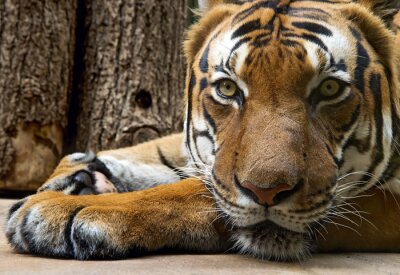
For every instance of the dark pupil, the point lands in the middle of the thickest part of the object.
(228, 86)
(328, 87)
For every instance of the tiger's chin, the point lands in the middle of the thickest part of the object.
(269, 241)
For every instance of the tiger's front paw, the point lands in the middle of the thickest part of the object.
(81, 227)
(81, 174)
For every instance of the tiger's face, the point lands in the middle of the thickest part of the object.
(286, 102)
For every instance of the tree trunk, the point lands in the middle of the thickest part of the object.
(79, 75)
(37, 41)
(132, 83)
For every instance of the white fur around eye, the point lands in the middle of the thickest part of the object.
(340, 98)
(224, 101)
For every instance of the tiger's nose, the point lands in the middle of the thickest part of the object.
(267, 196)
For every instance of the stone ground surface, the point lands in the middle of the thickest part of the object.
(349, 264)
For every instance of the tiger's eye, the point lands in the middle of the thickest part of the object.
(329, 87)
(227, 87)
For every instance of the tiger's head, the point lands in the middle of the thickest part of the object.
(293, 105)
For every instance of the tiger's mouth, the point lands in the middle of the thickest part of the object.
(255, 233)
(270, 241)
(245, 212)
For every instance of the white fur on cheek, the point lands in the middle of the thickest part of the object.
(205, 149)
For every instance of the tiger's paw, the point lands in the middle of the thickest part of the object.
(82, 174)
(81, 227)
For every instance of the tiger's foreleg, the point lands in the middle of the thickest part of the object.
(179, 215)
(133, 168)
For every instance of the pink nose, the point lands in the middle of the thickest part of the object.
(266, 196)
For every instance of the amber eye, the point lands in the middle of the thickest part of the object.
(329, 87)
(227, 88)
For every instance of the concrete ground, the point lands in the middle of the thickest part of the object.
(349, 264)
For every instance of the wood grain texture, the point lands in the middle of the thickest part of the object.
(132, 85)
(37, 41)
(80, 75)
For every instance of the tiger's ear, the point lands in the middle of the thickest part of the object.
(364, 14)
(385, 9)
(198, 33)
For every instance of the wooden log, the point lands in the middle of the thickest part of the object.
(133, 74)
(37, 41)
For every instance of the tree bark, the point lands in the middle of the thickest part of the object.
(132, 82)
(36, 55)
(80, 75)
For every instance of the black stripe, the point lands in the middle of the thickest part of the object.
(204, 60)
(375, 88)
(182, 175)
(246, 28)
(321, 1)
(15, 207)
(209, 119)
(262, 41)
(334, 158)
(192, 83)
(356, 34)
(291, 43)
(313, 27)
(68, 230)
(391, 168)
(312, 38)
(237, 45)
(28, 238)
(362, 62)
(393, 97)
(378, 156)
(218, 182)
(220, 67)
(260, 5)
(339, 66)
(262, 36)
(203, 84)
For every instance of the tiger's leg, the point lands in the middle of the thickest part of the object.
(177, 215)
(126, 169)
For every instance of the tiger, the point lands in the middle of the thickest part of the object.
(291, 129)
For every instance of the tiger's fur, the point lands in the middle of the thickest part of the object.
(277, 129)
